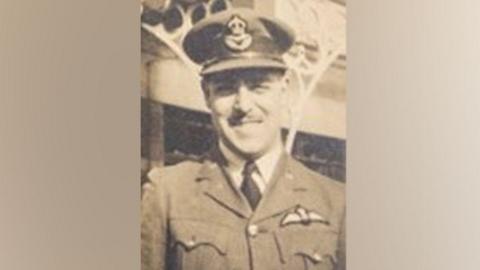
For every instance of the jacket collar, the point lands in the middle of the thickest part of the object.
(291, 186)
(218, 186)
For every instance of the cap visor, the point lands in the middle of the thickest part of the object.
(242, 63)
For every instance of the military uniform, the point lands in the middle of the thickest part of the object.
(194, 218)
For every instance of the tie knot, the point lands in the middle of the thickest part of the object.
(249, 168)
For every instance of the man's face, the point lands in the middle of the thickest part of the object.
(246, 108)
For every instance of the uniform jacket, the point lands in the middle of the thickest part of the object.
(193, 219)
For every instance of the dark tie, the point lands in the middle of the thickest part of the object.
(249, 188)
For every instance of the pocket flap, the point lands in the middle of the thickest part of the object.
(315, 245)
(194, 234)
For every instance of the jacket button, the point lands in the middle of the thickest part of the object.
(317, 257)
(252, 230)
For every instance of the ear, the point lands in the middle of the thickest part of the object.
(284, 84)
(287, 76)
(286, 80)
(206, 92)
(287, 98)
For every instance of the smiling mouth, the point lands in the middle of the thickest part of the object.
(234, 122)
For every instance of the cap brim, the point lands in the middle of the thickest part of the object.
(242, 63)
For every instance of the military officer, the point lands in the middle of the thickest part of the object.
(247, 205)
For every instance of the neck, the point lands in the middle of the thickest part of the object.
(235, 159)
(276, 147)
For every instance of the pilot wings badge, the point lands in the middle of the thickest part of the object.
(237, 39)
(302, 216)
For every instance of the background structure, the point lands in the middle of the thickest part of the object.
(175, 124)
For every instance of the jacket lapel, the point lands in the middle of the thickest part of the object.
(217, 185)
(291, 186)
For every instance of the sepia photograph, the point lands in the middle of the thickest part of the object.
(243, 134)
(241, 151)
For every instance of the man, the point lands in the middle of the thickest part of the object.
(247, 204)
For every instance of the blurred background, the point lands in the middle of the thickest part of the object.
(175, 124)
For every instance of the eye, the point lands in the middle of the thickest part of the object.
(223, 89)
(261, 87)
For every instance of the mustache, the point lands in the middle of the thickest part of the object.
(239, 118)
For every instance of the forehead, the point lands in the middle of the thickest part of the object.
(247, 75)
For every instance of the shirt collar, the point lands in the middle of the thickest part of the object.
(266, 164)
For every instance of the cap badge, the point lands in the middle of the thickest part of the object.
(237, 39)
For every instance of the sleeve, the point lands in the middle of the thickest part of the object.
(154, 230)
(342, 248)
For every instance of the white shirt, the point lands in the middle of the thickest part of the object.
(265, 165)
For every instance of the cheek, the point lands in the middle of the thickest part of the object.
(272, 105)
(221, 107)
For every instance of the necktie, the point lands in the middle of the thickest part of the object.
(249, 188)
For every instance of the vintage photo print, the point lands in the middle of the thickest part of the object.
(243, 134)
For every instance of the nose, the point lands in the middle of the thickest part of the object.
(243, 99)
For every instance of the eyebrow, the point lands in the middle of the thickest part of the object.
(248, 76)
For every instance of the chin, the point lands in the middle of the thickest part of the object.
(253, 145)
(251, 149)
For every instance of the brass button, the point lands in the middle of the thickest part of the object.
(252, 230)
(317, 257)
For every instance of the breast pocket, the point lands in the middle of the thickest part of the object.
(310, 247)
(198, 245)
